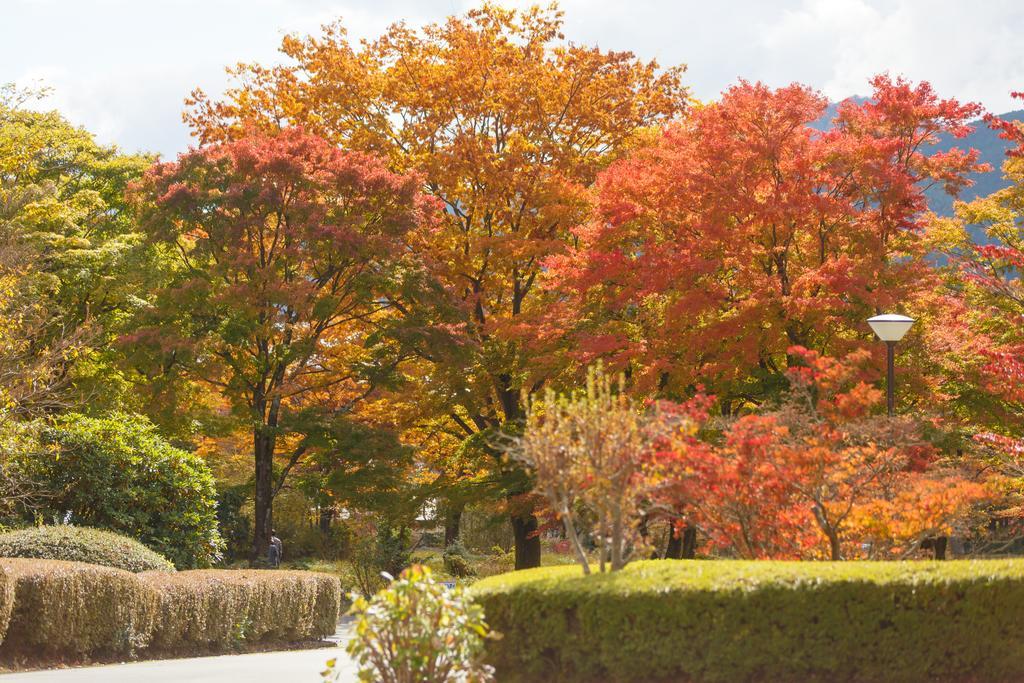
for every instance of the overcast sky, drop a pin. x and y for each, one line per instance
(122, 67)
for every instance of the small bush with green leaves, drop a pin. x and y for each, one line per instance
(69, 609)
(686, 620)
(118, 473)
(456, 561)
(417, 631)
(82, 544)
(219, 609)
(378, 549)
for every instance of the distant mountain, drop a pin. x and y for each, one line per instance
(984, 139)
(993, 152)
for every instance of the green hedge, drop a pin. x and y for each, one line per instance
(686, 620)
(82, 544)
(220, 609)
(68, 610)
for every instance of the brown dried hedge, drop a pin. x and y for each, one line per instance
(222, 608)
(68, 610)
(71, 609)
(6, 602)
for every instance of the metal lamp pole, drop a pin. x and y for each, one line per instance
(890, 377)
(890, 328)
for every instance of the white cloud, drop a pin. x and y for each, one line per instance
(967, 50)
(123, 67)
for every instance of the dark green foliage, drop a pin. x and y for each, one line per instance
(388, 550)
(118, 473)
(394, 549)
(82, 544)
(235, 526)
(685, 620)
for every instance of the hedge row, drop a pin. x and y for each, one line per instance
(70, 609)
(213, 608)
(6, 601)
(685, 620)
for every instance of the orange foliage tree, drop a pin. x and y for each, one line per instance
(284, 249)
(748, 229)
(508, 125)
(821, 475)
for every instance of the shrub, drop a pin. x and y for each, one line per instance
(388, 550)
(73, 609)
(456, 561)
(771, 621)
(219, 609)
(417, 630)
(118, 473)
(82, 544)
(6, 602)
(232, 521)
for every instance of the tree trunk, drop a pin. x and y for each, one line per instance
(674, 551)
(527, 540)
(452, 522)
(689, 542)
(618, 554)
(263, 450)
(325, 520)
(939, 546)
(574, 538)
(834, 546)
(264, 443)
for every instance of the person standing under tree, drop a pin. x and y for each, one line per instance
(274, 551)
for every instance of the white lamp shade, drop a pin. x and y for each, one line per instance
(890, 327)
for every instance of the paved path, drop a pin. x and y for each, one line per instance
(298, 666)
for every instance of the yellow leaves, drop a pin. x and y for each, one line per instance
(944, 233)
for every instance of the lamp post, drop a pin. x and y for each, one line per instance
(890, 328)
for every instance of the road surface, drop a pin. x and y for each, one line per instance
(293, 666)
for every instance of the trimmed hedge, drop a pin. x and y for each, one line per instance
(73, 609)
(221, 608)
(67, 610)
(6, 602)
(692, 620)
(82, 544)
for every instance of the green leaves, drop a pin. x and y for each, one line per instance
(118, 473)
(418, 631)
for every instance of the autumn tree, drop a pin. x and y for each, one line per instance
(67, 255)
(286, 249)
(68, 258)
(592, 447)
(508, 124)
(823, 474)
(746, 230)
(993, 288)
(989, 290)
